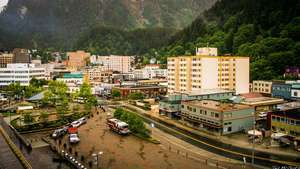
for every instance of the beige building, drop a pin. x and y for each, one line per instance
(77, 60)
(207, 51)
(115, 63)
(208, 72)
(97, 75)
(261, 86)
(6, 58)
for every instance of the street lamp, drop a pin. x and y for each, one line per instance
(97, 158)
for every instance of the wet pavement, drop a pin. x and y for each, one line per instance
(7, 158)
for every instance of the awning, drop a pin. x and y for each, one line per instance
(254, 133)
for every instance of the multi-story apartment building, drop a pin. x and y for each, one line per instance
(261, 86)
(223, 118)
(77, 60)
(115, 63)
(21, 55)
(6, 58)
(208, 72)
(21, 73)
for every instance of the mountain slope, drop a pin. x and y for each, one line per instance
(267, 31)
(41, 23)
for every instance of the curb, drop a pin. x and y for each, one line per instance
(15, 150)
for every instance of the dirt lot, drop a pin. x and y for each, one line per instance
(122, 152)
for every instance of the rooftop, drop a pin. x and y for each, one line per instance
(254, 101)
(72, 75)
(140, 87)
(216, 105)
(204, 92)
(288, 106)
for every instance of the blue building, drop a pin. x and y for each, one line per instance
(282, 90)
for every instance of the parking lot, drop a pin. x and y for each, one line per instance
(121, 152)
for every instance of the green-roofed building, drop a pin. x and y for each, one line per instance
(295, 91)
(73, 75)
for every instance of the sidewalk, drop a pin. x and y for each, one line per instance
(234, 140)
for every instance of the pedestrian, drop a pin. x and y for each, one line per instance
(244, 160)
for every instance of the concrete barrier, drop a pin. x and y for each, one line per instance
(15, 149)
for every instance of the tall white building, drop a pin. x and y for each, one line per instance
(21, 73)
(115, 63)
(208, 72)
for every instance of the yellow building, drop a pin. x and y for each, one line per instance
(5, 58)
(287, 121)
(190, 73)
(77, 60)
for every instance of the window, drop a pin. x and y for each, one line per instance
(295, 94)
(229, 129)
(205, 112)
(216, 115)
(182, 106)
(194, 109)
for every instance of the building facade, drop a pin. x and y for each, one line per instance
(208, 72)
(96, 75)
(150, 91)
(20, 73)
(150, 73)
(21, 56)
(295, 92)
(77, 60)
(286, 121)
(261, 86)
(207, 51)
(170, 106)
(222, 118)
(121, 64)
(282, 90)
(6, 58)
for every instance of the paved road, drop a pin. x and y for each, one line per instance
(7, 158)
(217, 147)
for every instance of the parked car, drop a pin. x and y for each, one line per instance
(74, 138)
(59, 132)
(79, 122)
(83, 120)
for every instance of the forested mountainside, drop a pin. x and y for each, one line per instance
(58, 23)
(267, 31)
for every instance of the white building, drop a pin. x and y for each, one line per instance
(115, 63)
(21, 73)
(207, 51)
(208, 72)
(150, 72)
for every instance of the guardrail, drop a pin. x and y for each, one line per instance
(15, 149)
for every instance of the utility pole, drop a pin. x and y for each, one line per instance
(253, 142)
